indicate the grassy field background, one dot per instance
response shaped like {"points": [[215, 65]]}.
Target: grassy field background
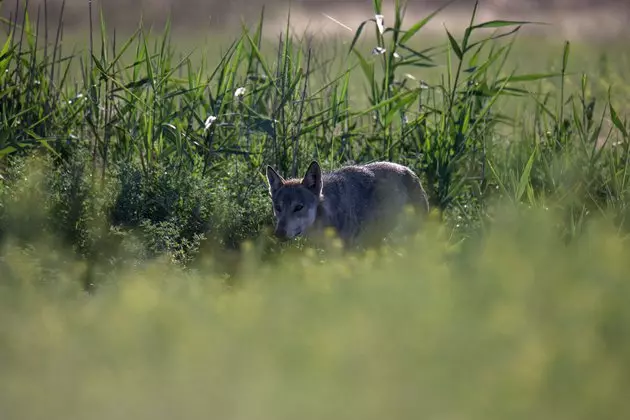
{"points": [[137, 276]]}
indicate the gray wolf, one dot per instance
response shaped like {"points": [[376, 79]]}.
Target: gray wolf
{"points": [[361, 203]]}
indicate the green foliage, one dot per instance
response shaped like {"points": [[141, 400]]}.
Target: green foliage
{"points": [[130, 217], [141, 141], [141, 173], [516, 324]]}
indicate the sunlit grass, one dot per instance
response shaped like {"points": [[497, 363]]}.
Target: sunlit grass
{"points": [[479, 113], [516, 324]]}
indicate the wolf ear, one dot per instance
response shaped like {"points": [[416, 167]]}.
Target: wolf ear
{"points": [[275, 181], [313, 178]]}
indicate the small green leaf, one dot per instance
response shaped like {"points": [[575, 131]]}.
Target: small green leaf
{"points": [[528, 77], [496, 176], [6, 54], [7, 151], [525, 176], [378, 6], [367, 68], [454, 45], [420, 24], [502, 23], [401, 98], [615, 118], [358, 34]]}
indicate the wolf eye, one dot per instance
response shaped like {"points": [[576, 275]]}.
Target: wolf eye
{"points": [[298, 208]]}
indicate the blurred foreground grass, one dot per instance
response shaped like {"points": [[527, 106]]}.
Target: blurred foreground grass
{"points": [[515, 324]]}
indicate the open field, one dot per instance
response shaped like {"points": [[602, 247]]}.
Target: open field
{"points": [[138, 279]]}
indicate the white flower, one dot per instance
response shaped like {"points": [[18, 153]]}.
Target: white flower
{"points": [[379, 23], [396, 55], [208, 123], [378, 51], [239, 92]]}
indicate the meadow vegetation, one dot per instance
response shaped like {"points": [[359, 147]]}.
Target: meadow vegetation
{"points": [[138, 279]]}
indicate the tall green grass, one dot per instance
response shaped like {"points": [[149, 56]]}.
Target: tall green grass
{"points": [[139, 138]]}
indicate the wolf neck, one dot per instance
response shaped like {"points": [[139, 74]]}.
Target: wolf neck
{"points": [[323, 215], [327, 218]]}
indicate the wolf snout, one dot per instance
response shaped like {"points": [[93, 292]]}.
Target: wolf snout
{"points": [[284, 234], [281, 234]]}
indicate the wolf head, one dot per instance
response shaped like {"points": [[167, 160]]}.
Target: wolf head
{"points": [[295, 201]]}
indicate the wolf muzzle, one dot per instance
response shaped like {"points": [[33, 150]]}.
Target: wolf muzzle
{"points": [[281, 234]]}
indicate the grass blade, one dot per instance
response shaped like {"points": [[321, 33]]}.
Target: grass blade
{"points": [[409, 33], [524, 181]]}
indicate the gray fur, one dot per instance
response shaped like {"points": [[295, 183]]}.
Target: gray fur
{"points": [[360, 202]]}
